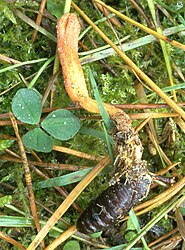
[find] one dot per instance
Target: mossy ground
(116, 85)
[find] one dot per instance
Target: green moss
(115, 83)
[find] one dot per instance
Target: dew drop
(53, 116)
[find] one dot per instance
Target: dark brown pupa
(112, 205)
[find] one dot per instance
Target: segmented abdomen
(111, 206)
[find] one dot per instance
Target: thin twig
(77, 153)
(39, 19)
(11, 241)
(9, 60)
(28, 177)
(47, 165)
(135, 116)
(163, 237)
(64, 236)
(139, 8)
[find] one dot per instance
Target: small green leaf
(9, 14)
(10, 176)
(62, 180)
(5, 200)
(61, 124)
(95, 133)
(38, 140)
(130, 225)
(54, 234)
(182, 210)
(7, 11)
(133, 223)
(72, 244)
(55, 8)
(96, 235)
(4, 144)
(130, 235)
(26, 106)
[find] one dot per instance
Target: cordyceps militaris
(132, 180)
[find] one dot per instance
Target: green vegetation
(32, 88)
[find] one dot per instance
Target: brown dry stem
(165, 236)
(11, 241)
(27, 175)
(39, 19)
(113, 20)
(76, 153)
(45, 165)
(9, 60)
